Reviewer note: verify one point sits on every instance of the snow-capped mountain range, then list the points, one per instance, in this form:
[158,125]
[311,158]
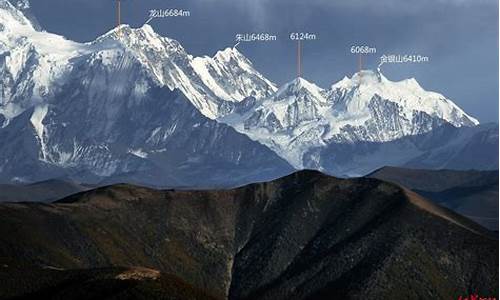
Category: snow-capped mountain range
[365,108]
[39,62]
[134,104]
[115,109]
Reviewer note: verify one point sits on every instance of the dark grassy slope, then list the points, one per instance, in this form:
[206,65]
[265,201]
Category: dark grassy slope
[305,236]
[470,193]
[107,283]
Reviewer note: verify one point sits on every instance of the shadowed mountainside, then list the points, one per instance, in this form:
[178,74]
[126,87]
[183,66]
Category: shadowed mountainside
[304,236]
[473,194]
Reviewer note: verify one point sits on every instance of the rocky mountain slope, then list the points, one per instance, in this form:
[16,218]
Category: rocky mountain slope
[158,138]
[304,236]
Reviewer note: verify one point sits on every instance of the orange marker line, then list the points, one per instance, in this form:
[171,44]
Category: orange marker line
[299,59]
[360,62]
[119,13]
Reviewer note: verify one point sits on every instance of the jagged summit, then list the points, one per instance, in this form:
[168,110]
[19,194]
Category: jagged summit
[371,77]
[19,31]
[128,36]
[368,76]
[11,17]
[301,82]
[228,54]
[299,85]
[124,29]
[32,62]
[231,76]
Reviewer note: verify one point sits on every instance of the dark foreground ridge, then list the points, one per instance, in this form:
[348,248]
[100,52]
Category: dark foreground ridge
[470,193]
[304,236]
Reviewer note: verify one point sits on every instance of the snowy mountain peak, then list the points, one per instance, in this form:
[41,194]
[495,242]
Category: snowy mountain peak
[371,78]
[357,94]
[11,17]
[148,28]
[366,76]
[17,30]
[32,62]
[24,7]
[302,83]
[299,86]
[363,77]
[144,36]
[228,54]
[231,76]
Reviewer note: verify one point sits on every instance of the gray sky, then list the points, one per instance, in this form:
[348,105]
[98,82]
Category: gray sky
[459,36]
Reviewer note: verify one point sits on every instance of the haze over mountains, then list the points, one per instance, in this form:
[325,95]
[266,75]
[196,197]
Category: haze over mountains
[133,106]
